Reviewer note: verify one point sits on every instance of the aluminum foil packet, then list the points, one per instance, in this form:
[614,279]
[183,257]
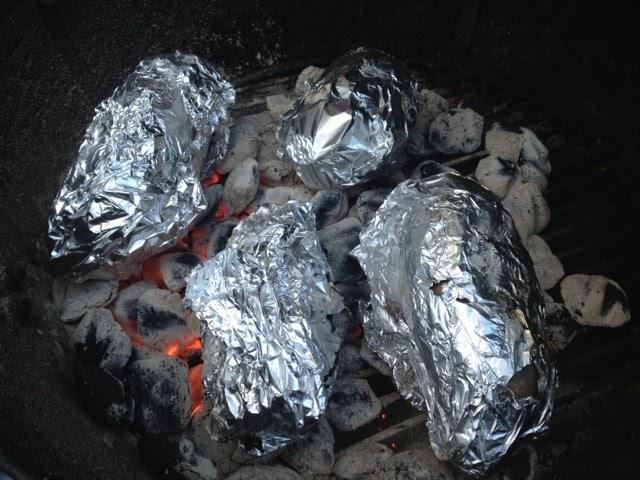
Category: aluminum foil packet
[269,345]
[457,312]
[351,125]
[134,187]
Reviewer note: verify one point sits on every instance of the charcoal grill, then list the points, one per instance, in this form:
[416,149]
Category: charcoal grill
[60,58]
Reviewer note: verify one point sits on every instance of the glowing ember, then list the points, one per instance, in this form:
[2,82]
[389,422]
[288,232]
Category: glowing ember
[184,348]
[383,415]
[195,388]
[221,211]
[199,242]
[394,445]
[151,271]
[211,180]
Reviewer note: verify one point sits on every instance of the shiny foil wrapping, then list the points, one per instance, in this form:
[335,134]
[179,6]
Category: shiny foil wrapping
[269,344]
[457,312]
[134,187]
[352,125]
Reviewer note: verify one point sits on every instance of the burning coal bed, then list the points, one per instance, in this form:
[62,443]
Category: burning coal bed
[138,350]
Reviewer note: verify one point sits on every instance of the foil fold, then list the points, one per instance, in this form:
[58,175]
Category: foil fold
[134,187]
[457,312]
[269,345]
[350,126]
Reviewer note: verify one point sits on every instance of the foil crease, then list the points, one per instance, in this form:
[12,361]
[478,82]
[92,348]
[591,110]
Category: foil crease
[134,187]
[351,125]
[269,345]
[456,311]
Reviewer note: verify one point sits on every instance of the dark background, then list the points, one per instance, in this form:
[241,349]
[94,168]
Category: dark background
[576,62]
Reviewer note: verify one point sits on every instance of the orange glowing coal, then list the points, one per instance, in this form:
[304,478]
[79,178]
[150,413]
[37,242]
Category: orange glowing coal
[184,348]
[151,271]
[199,242]
[195,388]
[211,179]
[221,211]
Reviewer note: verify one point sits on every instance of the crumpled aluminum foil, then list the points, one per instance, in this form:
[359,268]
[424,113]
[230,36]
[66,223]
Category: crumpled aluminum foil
[456,311]
[135,185]
[352,125]
[268,345]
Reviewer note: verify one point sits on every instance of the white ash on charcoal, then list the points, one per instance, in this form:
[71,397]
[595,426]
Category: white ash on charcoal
[175,456]
[274,173]
[159,387]
[104,394]
[175,267]
[457,131]
[241,186]
[330,206]
[73,299]
[99,340]
[430,105]
[315,454]
[344,322]
[372,358]
[368,203]
[243,144]
[595,300]
[417,463]
[219,452]
[548,267]
[337,240]
[279,104]
[352,404]
[528,208]
[268,146]
[162,320]
[514,157]
[280,196]
[211,236]
[349,360]
[125,308]
[265,472]
[429,168]
[360,460]
[307,78]
[561,328]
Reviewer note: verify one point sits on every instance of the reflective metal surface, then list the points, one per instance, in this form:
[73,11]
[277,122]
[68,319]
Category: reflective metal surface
[135,186]
[269,345]
[457,312]
[352,125]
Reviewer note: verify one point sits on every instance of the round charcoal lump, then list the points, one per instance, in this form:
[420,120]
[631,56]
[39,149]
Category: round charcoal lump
[457,131]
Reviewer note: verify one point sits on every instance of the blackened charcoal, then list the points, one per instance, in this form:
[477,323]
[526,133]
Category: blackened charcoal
[337,241]
[159,387]
[368,203]
[175,267]
[349,360]
[265,472]
[277,172]
[519,464]
[361,459]
[561,328]
[175,457]
[429,168]
[241,186]
[352,404]
[125,308]
[315,454]
[76,299]
[595,301]
[99,340]
[354,292]
[243,144]
[457,131]
[104,394]
[213,194]
[219,236]
[161,319]
[330,206]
